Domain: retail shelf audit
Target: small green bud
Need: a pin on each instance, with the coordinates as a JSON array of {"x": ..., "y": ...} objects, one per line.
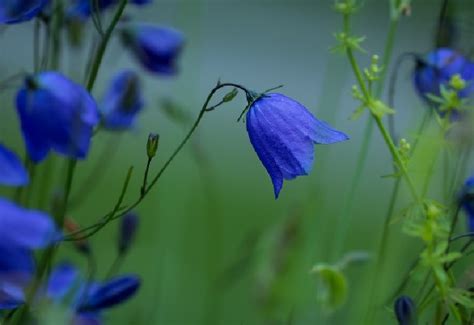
[
  {"x": 457, "y": 82},
  {"x": 152, "y": 145},
  {"x": 230, "y": 95}
]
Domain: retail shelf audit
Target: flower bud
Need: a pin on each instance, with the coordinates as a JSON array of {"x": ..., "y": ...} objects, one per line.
[
  {"x": 405, "y": 310},
  {"x": 230, "y": 95},
  {"x": 128, "y": 229},
  {"x": 82, "y": 245},
  {"x": 152, "y": 145}
]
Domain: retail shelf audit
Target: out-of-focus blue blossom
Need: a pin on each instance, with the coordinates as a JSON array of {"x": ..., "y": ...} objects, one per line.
[
  {"x": 405, "y": 310},
  {"x": 56, "y": 113},
  {"x": 157, "y": 48},
  {"x": 25, "y": 228},
  {"x": 12, "y": 172},
  {"x": 17, "y": 11},
  {"x": 83, "y": 9},
  {"x": 467, "y": 202},
  {"x": 123, "y": 101},
  {"x": 438, "y": 68},
  {"x": 61, "y": 280},
  {"x": 128, "y": 229},
  {"x": 21, "y": 231},
  {"x": 283, "y": 133},
  {"x": 109, "y": 294}
]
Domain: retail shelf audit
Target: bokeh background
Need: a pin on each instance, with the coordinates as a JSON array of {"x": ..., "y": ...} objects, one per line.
[{"x": 214, "y": 246}]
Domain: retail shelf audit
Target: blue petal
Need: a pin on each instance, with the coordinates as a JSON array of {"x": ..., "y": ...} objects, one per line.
[
  {"x": 56, "y": 113},
  {"x": 61, "y": 280},
  {"x": 111, "y": 293},
  {"x": 17, "y": 11},
  {"x": 11, "y": 296},
  {"x": 12, "y": 172},
  {"x": 25, "y": 228},
  {"x": 16, "y": 264},
  {"x": 283, "y": 133},
  {"x": 156, "y": 48},
  {"x": 123, "y": 101}
]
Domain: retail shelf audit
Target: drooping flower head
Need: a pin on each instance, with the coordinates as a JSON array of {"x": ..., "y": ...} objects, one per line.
[
  {"x": 123, "y": 101},
  {"x": 438, "y": 68},
  {"x": 12, "y": 172},
  {"x": 17, "y": 11},
  {"x": 467, "y": 202},
  {"x": 156, "y": 48},
  {"x": 283, "y": 133},
  {"x": 56, "y": 114},
  {"x": 405, "y": 311}
]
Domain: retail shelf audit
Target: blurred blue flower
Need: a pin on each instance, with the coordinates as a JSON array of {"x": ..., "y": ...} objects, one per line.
[
  {"x": 405, "y": 311},
  {"x": 56, "y": 113},
  {"x": 12, "y": 172},
  {"x": 21, "y": 231},
  {"x": 109, "y": 294},
  {"x": 283, "y": 133},
  {"x": 437, "y": 69},
  {"x": 156, "y": 48},
  {"x": 17, "y": 11},
  {"x": 61, "y": 281},
  {"x": 123, "y": 101},
  {"x": 128, "y": 229},
  {"x": 25, "y": 228},
  {"x": 467, "y": 202},
  {"x": 83, "y": 9}
]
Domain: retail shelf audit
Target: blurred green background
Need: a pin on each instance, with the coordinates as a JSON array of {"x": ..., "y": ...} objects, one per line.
[{"x": 214, "y": 246}]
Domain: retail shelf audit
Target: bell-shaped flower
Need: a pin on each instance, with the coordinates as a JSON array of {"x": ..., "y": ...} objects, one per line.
[
  {"x": 467, "y": 202},
  {"x": 156, "y": 48},
  {"x": 12, "y": 172},
  {"x": 438, "y": 68},
  {"x": 17, "y": 11},
  {"x": 123, "y": 101},
  {"x": 56, "y": 114},
  {"x": 283, "y": 133}
]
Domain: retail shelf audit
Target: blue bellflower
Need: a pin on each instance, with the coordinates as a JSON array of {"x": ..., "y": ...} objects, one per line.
[
  {"x": 17, "y": 11},
  {"x": 123, "y": 101},
  {"x": 437, "y": 70},
  {"x": 156, "y": 48},
  {"x": 12, "y": 172},
  {"x": 56, "y": 114},
  {"x": 283, "y": 133},
  {"x": 467, "y": 202}
]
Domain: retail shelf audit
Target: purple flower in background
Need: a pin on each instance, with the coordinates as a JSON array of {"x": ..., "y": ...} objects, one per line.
[
  {"x": 156, "y": 48},
  {"x": 17, "y": 11},
  {"x": 438, "y": 68},
  {"x": 56, "y": 113},
  {"x": 128, "y": 229},
  {"x": 123, "y": 101},
  {"x": 61, "y": 281},
  {"x": 12, "y": 172},
  {"x": 467, "y": 202},
  {"x": 283, "y": 133}
]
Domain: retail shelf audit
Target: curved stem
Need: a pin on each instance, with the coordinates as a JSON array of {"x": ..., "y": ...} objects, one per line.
[{"x": 93, "y": 229}]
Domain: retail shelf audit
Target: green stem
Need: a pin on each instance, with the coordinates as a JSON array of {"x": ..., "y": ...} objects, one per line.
[{"x": 103, "y": 45}]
